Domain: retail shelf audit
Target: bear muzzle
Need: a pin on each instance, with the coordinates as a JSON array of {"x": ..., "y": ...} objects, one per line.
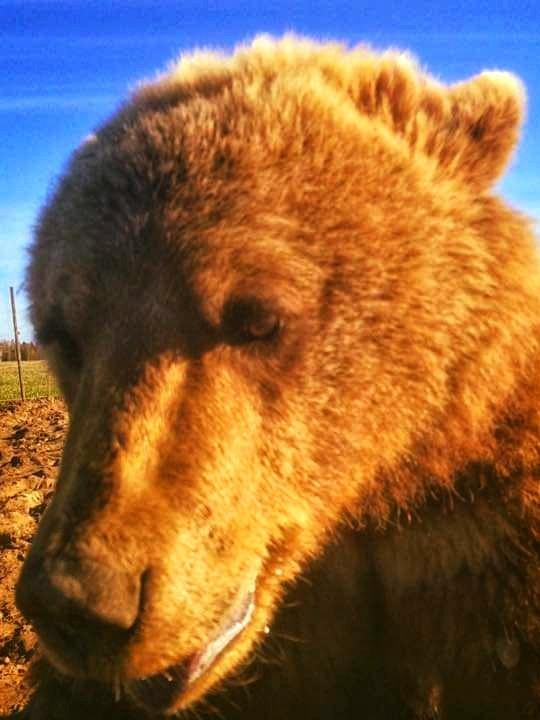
[{"x": 87, "y": 613}]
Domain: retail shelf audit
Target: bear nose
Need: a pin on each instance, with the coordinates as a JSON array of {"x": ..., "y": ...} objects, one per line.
[{"x": 78, "y": 596}]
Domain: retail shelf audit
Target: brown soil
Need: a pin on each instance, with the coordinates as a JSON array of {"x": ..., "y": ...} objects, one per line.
[{"x": 31, "y": 437}]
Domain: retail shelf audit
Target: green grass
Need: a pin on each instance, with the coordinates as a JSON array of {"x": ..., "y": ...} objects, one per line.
[{"x": 38, "y": 381}]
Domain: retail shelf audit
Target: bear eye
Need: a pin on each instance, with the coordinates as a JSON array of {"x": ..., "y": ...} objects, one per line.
[
  {"x": 54, "y": 333},
  {"x": 250, "y": 321}
]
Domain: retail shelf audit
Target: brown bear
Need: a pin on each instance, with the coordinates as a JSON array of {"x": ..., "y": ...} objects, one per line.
[{"x": 298, "y": 335}]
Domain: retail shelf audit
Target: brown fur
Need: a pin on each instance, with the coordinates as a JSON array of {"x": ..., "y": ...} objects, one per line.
[{"x": 383, "y": 441}]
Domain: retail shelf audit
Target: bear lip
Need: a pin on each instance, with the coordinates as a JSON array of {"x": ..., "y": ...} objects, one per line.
[
  {"x": 160, "y": 691},
  {"x": 232, "y": 624}
]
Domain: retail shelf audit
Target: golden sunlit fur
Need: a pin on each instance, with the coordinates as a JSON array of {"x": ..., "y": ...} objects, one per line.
[{"x": 393, "y": 412}]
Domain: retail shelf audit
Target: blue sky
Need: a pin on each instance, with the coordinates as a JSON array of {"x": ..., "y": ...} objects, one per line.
[{"x": 67, "y": 63}]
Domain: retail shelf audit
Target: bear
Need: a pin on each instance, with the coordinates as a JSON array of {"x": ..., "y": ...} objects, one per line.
[{"x": 297, "y": 331}]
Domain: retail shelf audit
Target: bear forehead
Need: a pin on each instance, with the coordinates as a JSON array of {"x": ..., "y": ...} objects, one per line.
[
  {"x": 202, "y": 188},
  {"x": 203, "y": 158},
  {"x": 183, "y": 233}
]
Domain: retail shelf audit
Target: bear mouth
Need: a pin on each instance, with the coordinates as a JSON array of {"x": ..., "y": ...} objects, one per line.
[{"x": 159, "y": 692}]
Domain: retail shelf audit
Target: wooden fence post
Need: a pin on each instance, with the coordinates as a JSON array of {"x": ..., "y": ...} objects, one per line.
[{"x": 17, "y": 347}]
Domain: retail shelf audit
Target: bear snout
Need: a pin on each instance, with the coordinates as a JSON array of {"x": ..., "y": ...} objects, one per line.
[{"x": 81, "y": 608}]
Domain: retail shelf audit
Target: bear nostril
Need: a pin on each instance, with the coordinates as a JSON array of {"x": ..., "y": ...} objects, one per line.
[
  {"x": 66, "y": 595},
  {"x": 103, "y": 594}
]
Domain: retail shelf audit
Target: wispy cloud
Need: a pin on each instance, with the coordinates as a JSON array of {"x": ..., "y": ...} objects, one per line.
[
  {"x": 179, "y": 38},
  {"x": 491, "y": 37},
  {"x": 55, "y": 102},
  {"x": 18, "y": 42}
]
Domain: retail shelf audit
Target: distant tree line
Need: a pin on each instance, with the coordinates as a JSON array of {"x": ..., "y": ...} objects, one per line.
[{"x": 29, "y": 351}]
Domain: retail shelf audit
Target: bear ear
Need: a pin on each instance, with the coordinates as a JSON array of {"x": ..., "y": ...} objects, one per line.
[
  {"x": 469, "y": 129},
  {"x": 480, "y": 128}
]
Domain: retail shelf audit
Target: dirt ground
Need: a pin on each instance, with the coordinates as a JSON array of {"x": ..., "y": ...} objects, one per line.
[{"x": 31, "y": 437}]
